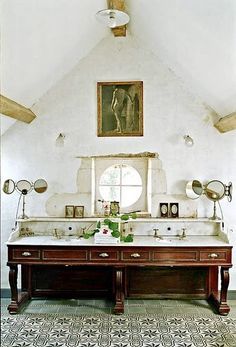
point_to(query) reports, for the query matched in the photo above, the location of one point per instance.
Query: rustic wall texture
(70, 107)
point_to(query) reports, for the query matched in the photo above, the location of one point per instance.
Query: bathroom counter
(144, 241)
(72, 266)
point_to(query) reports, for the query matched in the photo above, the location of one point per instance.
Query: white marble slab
(147, 241)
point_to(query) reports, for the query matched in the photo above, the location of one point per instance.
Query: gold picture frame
(114, 208)
(69, 211)
(79, 212)
(120, 108)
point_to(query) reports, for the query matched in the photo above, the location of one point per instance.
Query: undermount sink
(171, 239)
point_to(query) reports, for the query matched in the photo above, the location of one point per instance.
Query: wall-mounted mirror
(229, 191)
(9, 186)
(40, 186)
(214, 190)
(194, 189)
(24, 187)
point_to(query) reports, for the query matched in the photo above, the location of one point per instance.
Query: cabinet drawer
(175, 256)
(135, 255)
(25, 254)
(102, 255)
(213, 256)
(60, 254)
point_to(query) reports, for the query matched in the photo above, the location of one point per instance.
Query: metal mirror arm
(228, 191)
(214, 190)
(23, 187)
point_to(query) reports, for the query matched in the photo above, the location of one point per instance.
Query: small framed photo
(114, 208)
(79, 212)
(174, 210)
(69, 211)
(164, 211)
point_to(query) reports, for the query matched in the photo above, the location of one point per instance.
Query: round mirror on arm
(24, 186)
(9, 186)
(215, 190)
(40, 186)
(194, 189)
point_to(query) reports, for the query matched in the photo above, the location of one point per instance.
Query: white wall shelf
(137, 220)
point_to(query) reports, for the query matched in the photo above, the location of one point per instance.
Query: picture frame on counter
(79, 211)
(114, 208)
(164, 209)
(69, 211)
(174, 210)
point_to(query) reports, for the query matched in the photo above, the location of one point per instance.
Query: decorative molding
(124, 155)
(14, 110)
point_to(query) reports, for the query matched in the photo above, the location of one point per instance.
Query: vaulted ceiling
(43, 40)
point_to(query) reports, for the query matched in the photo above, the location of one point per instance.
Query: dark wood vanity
(120, 271)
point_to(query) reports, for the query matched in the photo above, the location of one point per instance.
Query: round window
(121, 183)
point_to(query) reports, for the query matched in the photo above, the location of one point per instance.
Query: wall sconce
(60, 140)
(188, 141)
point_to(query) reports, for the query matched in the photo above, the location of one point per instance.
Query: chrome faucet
(183, 236)
(57, 234)
(156, 234)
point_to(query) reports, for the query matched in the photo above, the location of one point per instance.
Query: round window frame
(120, 185)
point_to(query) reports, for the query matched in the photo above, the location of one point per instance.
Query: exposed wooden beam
(119, 31)
(14, 110)
(226, 123)
(118, 5)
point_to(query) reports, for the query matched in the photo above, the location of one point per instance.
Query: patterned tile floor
(93, 306)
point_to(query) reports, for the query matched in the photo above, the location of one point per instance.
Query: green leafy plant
(114, 226)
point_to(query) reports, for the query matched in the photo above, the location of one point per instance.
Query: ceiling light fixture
(112, 18)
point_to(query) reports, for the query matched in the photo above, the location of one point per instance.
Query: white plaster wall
(170, 111)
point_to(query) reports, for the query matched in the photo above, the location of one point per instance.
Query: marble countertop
(147, 241)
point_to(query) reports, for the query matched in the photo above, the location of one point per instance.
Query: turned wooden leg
(17, 300)
(119, 292)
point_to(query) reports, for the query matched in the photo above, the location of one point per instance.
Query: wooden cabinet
(130, 271)
(135, 255)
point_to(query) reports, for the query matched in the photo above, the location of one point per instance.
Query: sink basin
(171, 239)
(163, 240)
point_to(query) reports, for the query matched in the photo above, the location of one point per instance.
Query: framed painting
(120, 108)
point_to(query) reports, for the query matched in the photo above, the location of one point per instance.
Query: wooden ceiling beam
(226, 123)
(118, 5)
(14, 110)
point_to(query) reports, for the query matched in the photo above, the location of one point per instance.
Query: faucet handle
(155, 232)
(183, 233)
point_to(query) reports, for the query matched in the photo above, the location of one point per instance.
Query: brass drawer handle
(26, 254)
(213, 255)
(135, 255)
(103, 255)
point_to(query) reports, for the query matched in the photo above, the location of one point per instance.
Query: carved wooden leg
(220, 303)
(119, 292)
(17, 300)
(13, 272)
(223, 307)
